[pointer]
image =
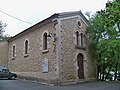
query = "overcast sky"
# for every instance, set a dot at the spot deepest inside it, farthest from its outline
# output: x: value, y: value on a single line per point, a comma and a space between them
x: 34, y: 11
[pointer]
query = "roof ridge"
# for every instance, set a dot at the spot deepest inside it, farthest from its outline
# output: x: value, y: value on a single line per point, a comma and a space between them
x: 69, y: 12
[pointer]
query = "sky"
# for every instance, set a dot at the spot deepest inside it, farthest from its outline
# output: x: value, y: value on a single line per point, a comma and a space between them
x: 34, y: 11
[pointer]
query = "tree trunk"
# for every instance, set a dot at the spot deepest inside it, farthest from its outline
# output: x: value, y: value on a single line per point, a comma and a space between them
x: 108, y: 72
x: 103, y: 73
x: 98, y: 72
x: 116, y: 71
x: 100, y: 75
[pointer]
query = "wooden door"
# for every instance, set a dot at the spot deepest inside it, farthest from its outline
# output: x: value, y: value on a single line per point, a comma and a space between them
x: 80, y: 66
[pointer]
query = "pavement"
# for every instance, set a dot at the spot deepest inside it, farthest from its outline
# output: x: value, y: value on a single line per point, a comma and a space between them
x: 30, y: 85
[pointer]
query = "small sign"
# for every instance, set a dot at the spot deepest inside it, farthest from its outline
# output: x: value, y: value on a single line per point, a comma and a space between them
x: 45, y: 65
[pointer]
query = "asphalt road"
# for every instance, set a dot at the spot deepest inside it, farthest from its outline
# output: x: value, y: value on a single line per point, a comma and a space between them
x: 28, y: 85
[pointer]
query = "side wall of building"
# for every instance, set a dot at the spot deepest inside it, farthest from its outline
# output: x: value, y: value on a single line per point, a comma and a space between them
x: 31, y: 65
x: 4, y: 53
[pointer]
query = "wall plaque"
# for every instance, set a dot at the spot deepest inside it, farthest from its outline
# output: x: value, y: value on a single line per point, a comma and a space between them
x: 45, y: 65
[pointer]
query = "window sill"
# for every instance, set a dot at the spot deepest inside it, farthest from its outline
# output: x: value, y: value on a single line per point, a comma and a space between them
x: 44, y: 51
x: 13, y: 58
x: 26, y: 55
x: 80, y: 47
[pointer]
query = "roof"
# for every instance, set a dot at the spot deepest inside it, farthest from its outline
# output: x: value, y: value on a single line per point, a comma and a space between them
x: 49, y: 20
x: 74, y: 13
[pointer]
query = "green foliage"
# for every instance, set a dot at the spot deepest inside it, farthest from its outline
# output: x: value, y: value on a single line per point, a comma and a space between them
x: 2, y: 26
x: 104, y: 32
x: 109, y: 50
x: 106, y: 23
x: 2, y: 36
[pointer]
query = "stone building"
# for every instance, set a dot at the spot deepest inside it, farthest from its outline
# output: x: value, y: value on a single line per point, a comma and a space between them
x: 53, y: 51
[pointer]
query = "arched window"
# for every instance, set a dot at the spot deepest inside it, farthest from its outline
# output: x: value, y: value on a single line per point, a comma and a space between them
x: 13, y: 51
x: 77, y: 38
x: 45, y: 46
x: 26, y: 46
x: 81, y: 36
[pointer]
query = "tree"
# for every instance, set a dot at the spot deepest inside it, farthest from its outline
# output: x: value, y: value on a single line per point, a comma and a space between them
x: 104, y: 32
x: 109, y: 50
x: 2, y: 36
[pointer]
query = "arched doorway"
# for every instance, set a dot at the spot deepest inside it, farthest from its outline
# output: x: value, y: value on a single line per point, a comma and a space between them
x: 80, y: 66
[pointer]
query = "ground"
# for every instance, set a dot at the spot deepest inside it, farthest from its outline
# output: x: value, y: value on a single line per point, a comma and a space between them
x: 29, y: 85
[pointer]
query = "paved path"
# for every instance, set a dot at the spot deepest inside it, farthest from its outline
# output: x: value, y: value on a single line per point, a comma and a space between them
x: 28, y: 85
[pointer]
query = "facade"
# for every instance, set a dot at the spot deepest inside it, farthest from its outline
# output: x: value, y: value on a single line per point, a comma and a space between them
x: 4, y: 54
x: 52, y: 51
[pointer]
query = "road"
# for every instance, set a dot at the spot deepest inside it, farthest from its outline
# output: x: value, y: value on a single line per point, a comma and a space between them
x: 29, y: 85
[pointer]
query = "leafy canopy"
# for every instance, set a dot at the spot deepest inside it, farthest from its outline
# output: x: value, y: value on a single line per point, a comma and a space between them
x: 104, y: 33
x: 2, y: 30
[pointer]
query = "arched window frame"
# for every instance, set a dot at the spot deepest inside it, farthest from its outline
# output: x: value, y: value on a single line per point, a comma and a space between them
x: 44, y: 41
x: 13, y: 51
x: 82, y: 40
x: 77, y: 38
x: 26, y: 47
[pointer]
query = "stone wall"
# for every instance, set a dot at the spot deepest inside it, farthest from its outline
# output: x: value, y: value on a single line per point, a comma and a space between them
x: 68, y: 68
x: 31, y: 65
x: 4, y: 53
x: 69, y: 51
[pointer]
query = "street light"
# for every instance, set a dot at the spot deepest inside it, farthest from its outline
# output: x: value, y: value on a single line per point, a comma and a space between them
x: 50, y: 36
